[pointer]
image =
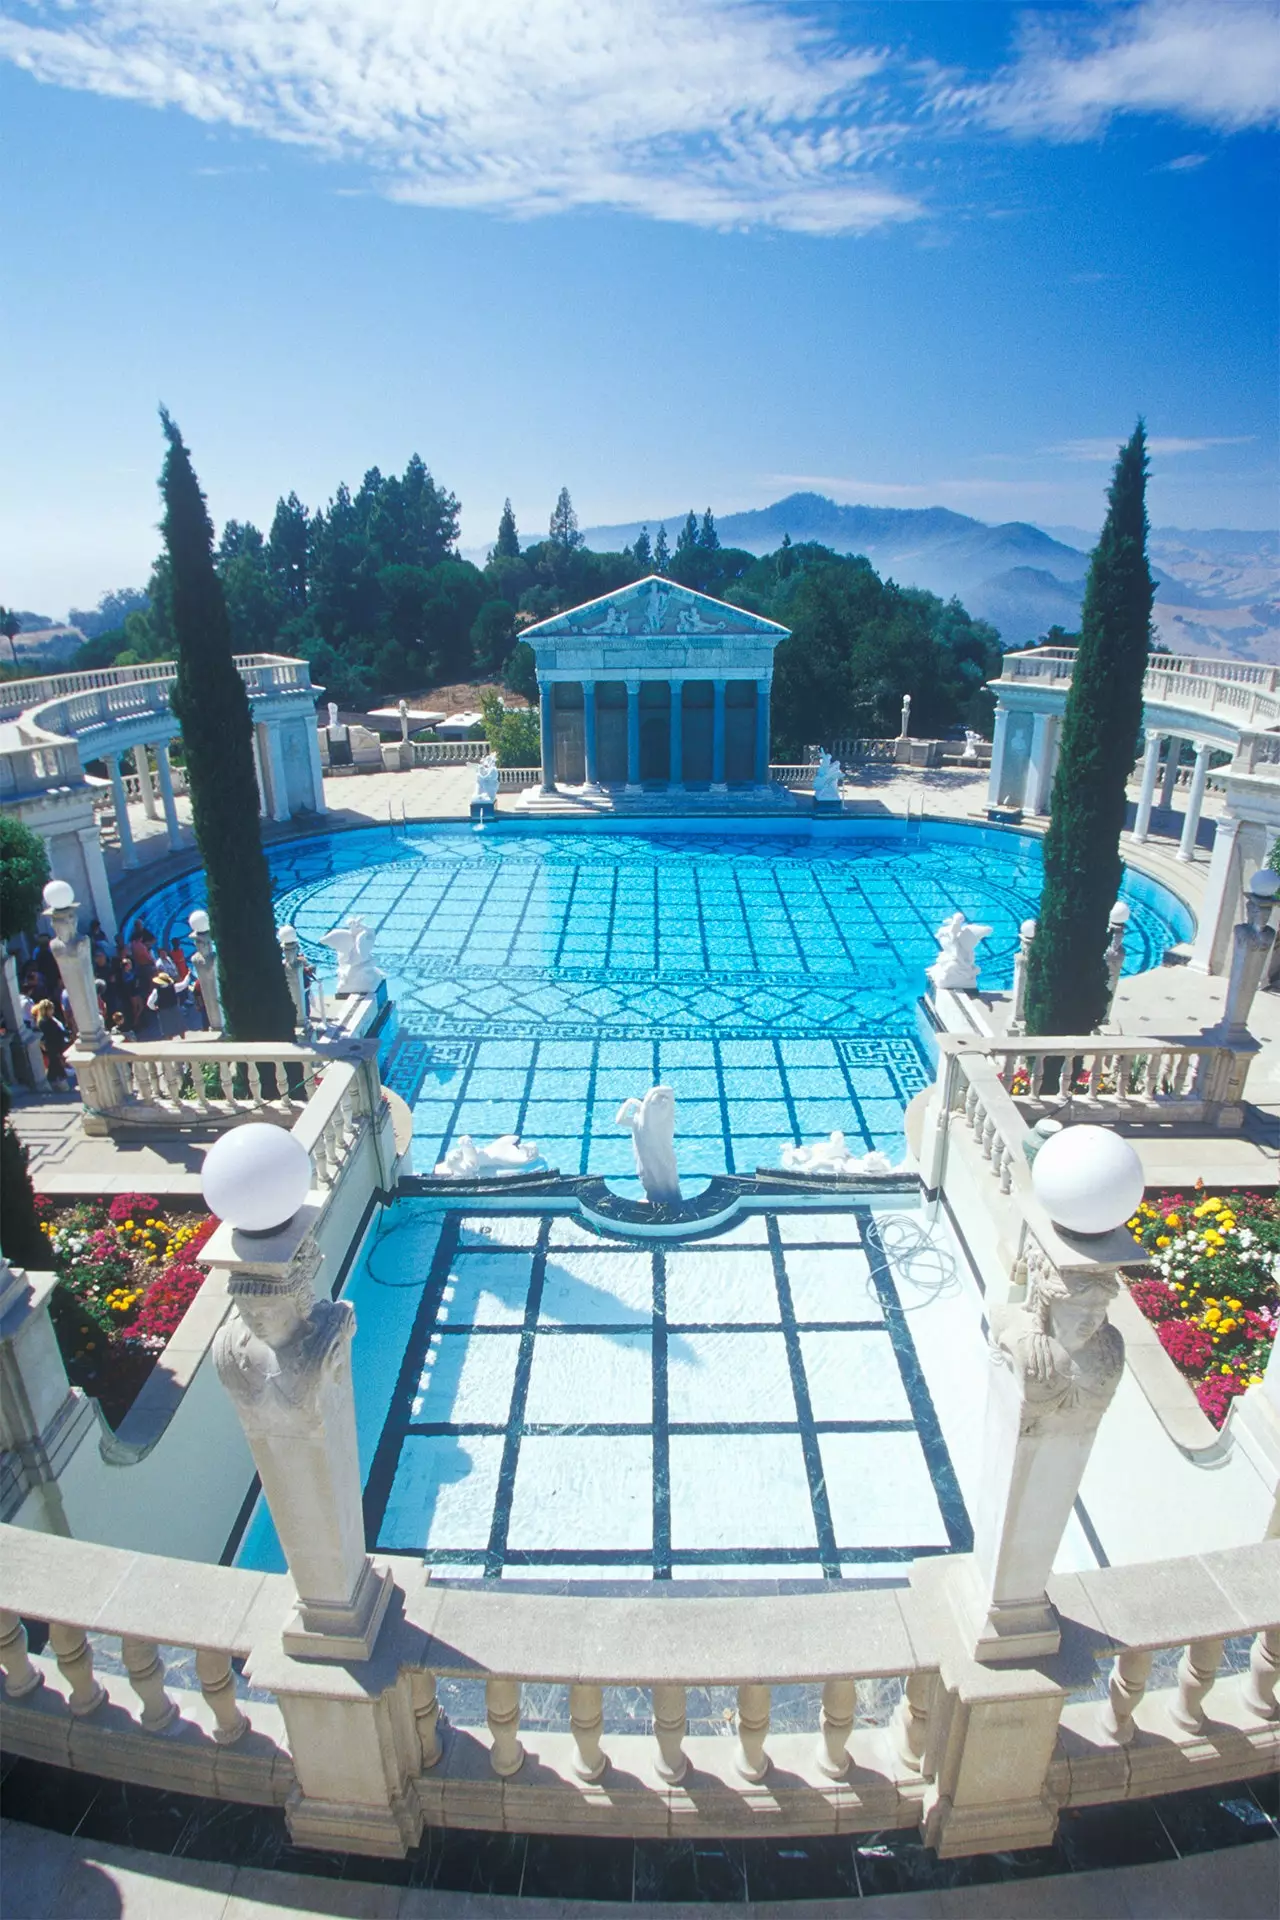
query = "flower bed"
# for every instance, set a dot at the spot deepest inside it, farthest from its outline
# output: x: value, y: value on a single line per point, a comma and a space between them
x: 126, y: 1275
x: 1213, y: 1288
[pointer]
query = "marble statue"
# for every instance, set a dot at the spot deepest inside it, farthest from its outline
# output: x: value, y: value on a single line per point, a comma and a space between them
x: 615, y: 621
x: 403, y: 710
x: 690, y: 620
x: 826, y: 781
x: 832, y: 1156
x: 336, y: 731
x: 653, y: 1132
x: 507, y: 1154
x: 906, y: 716
x: 655, y: 611
x: 972, y: 741
x: 486, y: 780
x: 1065, y: 1355
x: 956, y: 966
x: 353, y: 944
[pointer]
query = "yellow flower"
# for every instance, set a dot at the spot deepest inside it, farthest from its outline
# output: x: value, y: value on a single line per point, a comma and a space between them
x: 1162, y: 1240
x: 1235, y: 1306
x: 1172, y: 1220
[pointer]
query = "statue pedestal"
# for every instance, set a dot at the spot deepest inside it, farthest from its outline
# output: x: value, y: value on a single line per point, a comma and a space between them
x: 827, y: 806
x: 482, y: 811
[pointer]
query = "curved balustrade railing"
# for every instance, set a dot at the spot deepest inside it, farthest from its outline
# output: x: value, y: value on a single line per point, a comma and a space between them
x: 1236, y: 691
x: 1205, y: 1629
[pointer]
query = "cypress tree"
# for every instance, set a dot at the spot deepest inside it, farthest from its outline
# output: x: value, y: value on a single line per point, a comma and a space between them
x: 507, y: 545
x: 687, y: 537
x: 212, y: 708
x: 1066, y: 975
x: 21, y: 1239
x: 708, y: 538
x: 642, y: 551
x: 661, y: 551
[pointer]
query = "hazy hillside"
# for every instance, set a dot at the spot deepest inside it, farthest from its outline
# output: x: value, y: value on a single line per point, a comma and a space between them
x: 1217, y: 591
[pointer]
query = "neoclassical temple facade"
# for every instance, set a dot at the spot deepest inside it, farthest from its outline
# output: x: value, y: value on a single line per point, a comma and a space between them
x: 655, y: 686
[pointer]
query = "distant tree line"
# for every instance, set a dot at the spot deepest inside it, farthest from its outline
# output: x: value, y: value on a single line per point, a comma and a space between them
x: 371, y: 591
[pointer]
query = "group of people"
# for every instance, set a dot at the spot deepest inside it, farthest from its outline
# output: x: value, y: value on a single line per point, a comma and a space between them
x: 145, y: 989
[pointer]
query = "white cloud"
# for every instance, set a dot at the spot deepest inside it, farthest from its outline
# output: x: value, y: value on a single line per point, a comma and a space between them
x: 1107, y: 447
x: 1211, y: 63
x: 1182, y: 163
x: 716, y: 112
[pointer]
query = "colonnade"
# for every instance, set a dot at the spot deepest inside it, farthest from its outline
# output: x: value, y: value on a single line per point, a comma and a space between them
x: 675, y: 731
x: 147, y: 792
x: 1195, y: 793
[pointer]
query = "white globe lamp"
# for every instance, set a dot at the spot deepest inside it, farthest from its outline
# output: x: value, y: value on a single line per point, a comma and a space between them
x: 198, y: 921
x: 256, y: 1177
x: 59, y: 894
x: 1087, y: 1179
x: 1265, y: 885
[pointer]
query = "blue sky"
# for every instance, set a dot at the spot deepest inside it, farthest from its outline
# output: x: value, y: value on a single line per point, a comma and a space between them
x: 696, y: 251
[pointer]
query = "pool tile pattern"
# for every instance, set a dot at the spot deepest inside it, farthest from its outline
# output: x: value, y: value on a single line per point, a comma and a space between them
x: 747, y: 1404
x: 540, y: 978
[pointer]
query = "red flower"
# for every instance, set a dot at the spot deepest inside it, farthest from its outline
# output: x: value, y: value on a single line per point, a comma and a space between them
x: 1215, y: 1394
x: 132, y: 1206
x: 1189, y: 1347
x: 1156, y: 1299
x: 165, y: 1302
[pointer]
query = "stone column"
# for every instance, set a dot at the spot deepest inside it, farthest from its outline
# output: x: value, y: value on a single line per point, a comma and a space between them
x: 146, y: 785
x: 1056, y: 1362
x: 1235, y: 844
x: 258, y: 775
x: 99, y: 886
x: 633, y: 736
x: 120, y: 798
x: 285, y: 1359
x: 676, y: 772
x: 275, y: 772
x: 164, y: 773
x: 1044, y: 731
x: 74, y: 955
x: 717, y: 737
x: 1173, y: 759
x: 42, y: 1417
x: 1150, y: 770
x: 999, y: 736
x: 764, y: 688
x: 589, y: 735
x: 1195, y: 801
x: 1021, y: 959
x: 547, y: 736
x: 318, y: 801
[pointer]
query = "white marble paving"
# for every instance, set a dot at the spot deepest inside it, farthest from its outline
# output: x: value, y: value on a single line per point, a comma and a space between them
x: 467, y: 1379
x: 583, y: 1288
x: 499, y: 1230
x: 734, y: 1285
x: 804, y: 1228
x: 853, y: 1376
x: 729, y: 1377
x: 880, y: 1491
x: 829, y: 1283
x: 444, y: 1491
x: 739, y: 1490
x: 486, y: 1290
x: 590, y: 1378
x: 583, y: 1490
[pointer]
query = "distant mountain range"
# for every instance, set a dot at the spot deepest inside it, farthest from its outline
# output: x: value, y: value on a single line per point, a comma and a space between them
x: 1217, y: 592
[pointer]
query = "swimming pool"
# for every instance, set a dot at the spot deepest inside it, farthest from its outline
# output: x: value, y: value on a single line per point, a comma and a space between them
x: 541, y: 974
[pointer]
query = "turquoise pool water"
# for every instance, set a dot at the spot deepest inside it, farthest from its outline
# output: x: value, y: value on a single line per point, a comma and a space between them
x: 541, y: 975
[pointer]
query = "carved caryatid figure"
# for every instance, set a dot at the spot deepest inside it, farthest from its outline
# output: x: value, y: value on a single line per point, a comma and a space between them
x: 652, y: 1122
x: 353, y: 944
x: 826, y: 780
x: 1065, y: 1354
x: 486, y: 780
x: 956, y: 967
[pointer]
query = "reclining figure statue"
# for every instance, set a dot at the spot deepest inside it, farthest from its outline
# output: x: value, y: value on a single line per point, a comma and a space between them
x: 832, y: 1156
x: 508, y: 1154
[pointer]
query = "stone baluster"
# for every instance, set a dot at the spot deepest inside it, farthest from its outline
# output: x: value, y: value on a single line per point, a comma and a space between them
x: 1097, y: 1065
x: 75, y: 1663
x: 586, y: 1723
x: 426, y: 1715
x: 839, y: 1704
x: 1264, y: 1673
x: 911, y: 1719
x: 1197, y: 1671
x: 502, y: 1711
x: 20, y: 1676
x: 217, y: 1679
x: 669, y: 1724
x: 752, y: 1761
x: 145, y: 1669
x: 1125, y: 1689
x: 1035, y: 1074
x: 970, y: 1106
x: 172, y: 1074
x: 988, y: 1136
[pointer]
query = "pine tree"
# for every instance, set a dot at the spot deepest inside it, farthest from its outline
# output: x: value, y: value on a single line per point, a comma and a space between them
x: 507, y: 545
x: 1066, y: 977
x: 661, y: 551
x: 708, y: 538
x: 212, y: 708
x: 564, y: 524
x: 288, y: 548
x: 642, y: 551
x: 687, y: 538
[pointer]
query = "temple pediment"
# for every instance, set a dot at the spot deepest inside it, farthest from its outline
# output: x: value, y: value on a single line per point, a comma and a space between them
x: 656, y: 609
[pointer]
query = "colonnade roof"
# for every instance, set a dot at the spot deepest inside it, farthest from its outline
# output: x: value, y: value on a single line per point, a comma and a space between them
x: 657, y: 610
